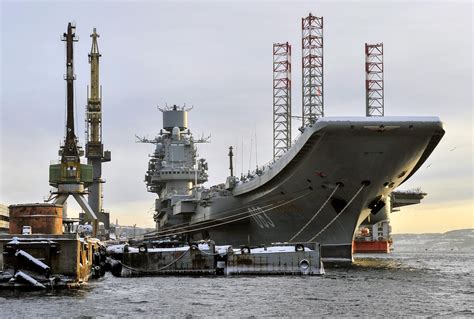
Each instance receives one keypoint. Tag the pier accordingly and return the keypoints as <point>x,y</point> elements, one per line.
<point>205,258</point>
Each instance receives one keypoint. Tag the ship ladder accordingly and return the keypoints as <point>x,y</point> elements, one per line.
<point>315,214</point>
<point>340,213</point>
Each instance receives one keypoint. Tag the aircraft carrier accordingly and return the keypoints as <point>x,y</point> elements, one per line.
<point>340,170</point>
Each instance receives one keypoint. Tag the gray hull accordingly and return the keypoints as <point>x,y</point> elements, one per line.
<point>275,204</point>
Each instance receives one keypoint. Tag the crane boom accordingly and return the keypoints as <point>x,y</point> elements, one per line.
<point>94,56</point>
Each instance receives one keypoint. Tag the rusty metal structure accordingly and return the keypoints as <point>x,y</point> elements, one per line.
<point>43,218</point>
<point>281,99</point>
<point>70,177</point>
<point>53,261</point>
<point>312,67</point>
<point>95,153</point>
<point>374,84</point>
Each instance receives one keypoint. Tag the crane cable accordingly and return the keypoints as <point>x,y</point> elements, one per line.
<point>316,214</point>
<point>339,214</point>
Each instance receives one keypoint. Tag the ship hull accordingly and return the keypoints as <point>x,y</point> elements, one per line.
<point>365,158</point>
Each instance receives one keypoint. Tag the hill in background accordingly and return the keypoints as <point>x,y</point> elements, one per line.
<point>455,240</point>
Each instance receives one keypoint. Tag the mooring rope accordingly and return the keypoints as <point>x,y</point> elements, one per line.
<point>240,218</point>
<point>186,225</point>
<point>163,233</point>
<point>190,228</point>
<point>340,213</point>
<point>315,215</point>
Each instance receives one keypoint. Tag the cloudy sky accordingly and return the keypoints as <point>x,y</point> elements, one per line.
<point>217,56</point>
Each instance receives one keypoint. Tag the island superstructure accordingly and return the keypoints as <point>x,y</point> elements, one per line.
<point>173,171</point>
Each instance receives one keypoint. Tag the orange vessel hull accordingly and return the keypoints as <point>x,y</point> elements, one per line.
<point>374,246</point>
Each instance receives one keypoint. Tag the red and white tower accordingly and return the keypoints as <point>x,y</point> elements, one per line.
<point>312,65</point>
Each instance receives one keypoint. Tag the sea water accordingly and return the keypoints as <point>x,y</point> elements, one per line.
<point>426,275</point>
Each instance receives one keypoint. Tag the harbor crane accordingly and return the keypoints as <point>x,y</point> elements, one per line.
<point>95,153</point>
<point>69,176</point>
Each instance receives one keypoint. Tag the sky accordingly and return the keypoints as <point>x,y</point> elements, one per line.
<point>217,57</point>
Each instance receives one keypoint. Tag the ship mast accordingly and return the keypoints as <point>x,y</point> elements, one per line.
<point>94,148</point>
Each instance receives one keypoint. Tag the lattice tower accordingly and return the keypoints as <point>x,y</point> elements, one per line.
<point>281,98</point>
<point>312,65</point>
<point>374,87</point>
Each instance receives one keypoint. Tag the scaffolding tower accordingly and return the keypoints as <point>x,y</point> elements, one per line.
<point>312,65</point>
<point>374,87</point>
<point>281,99</point>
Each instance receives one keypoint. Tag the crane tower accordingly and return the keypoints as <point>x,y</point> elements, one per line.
<point>95,153</point>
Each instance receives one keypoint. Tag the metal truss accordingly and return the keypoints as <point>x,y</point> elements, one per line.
<point>312,65</point>
<point>374,87</point>
<point>281,99</point>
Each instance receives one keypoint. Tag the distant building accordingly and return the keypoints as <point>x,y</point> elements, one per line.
<point>4,219</point>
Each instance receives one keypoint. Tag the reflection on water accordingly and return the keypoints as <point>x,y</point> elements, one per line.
<point>410,281</point>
